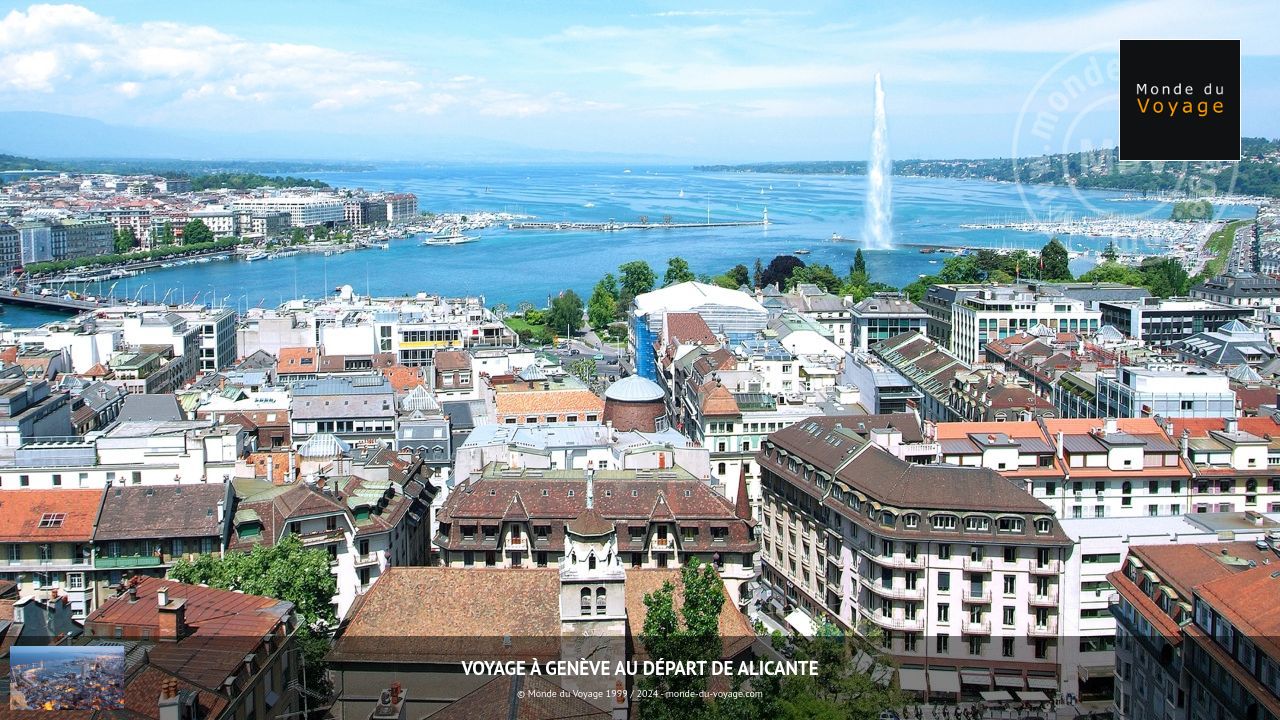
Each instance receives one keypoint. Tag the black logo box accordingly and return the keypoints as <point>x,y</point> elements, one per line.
<point>1186,68</point>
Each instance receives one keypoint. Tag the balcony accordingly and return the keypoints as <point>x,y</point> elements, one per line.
<point>982,627</point>
<point>977,596</point>
<point>893,561</point>
<point>895,593</point>
<point>50,564</point>
<point>128,561</point>
<point>367,559</point>
<point>1052,567</point>
<point>897,623</point>
<point>324,537</point>
<point>663,544</point>
<point>1043,600</point>
<point>1048,628</point>
<point>972,565</point>
<point>517,543</point>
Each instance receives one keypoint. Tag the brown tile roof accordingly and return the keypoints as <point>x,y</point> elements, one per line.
<point>164,511</point>
<point>143,690</point>
<point>717,400</point>
<point>452,360</point>
<point>736,633</point>
<point>687,328</point>
<point>22,512</point>
<point>1200,427</point>
<point>279,466</point>
<point>520,697</point>
<point>298,360</point>
<point>98,371</point>
<point>588,523</point>
<point>1248,600</point>
<point>420,614</point>
<point>402,378</point>
<point>1183,566</point>
<point>549,402</point>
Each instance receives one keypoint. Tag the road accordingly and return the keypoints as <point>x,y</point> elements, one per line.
<point>608,366</point>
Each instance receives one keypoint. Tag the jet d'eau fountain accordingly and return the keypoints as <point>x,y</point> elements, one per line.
<point>877,232</point>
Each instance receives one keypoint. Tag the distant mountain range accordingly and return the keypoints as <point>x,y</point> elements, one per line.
<point>1258,172</point>
<point>52,136</point>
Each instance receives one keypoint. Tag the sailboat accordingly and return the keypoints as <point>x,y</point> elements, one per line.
<point>681,192</point>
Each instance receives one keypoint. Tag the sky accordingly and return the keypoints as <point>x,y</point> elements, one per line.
<point>683,80</point>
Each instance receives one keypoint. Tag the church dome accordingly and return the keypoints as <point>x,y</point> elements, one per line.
<point>634,389</point>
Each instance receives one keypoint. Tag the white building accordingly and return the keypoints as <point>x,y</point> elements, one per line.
<point>1164,390</point>
<point>997,312</point>
<point>304,210</point>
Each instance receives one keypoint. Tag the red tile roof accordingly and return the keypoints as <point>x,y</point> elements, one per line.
<point>452,360</point>
<point>684,328</point>
<point>1200,427</point>
<point>402,378</point>
<point>297,360</point>
<point>60,515</point>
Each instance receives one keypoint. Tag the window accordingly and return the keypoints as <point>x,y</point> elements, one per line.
<point>944,581</point>
<point>585,602</point>
<point>1010,584</point>
<point>57,480</point>
<point>1010,554</point>
<point>1006,646</point>
<point>1043,526</point>
<point>944,613</point>
<point>51,520</point>
<point>24,481</point>
<point>601,602</point>
<point>944,551</point>
<point>490,558</point>
<point>941,644</point>
<point>1008,616</point>
<point>1011,525</point>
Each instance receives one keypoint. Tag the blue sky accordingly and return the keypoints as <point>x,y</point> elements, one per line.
<point>688,80</point>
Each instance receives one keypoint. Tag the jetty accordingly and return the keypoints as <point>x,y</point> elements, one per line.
<point>614,226</point>
<point>53,302</point>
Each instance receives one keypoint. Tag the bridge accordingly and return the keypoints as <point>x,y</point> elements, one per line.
<point>52,302</point>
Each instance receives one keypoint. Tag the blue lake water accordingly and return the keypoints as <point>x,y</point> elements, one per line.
<point>514,265</point>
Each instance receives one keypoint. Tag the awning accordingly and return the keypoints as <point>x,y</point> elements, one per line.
<point>1009,681</point>
<point>1033,696</point>
<point>996,696</point>
<point>911,679</point>
<point>801,623</point>
<point>1044,683</point>
<point>976,677</point>
<point>944,681</point>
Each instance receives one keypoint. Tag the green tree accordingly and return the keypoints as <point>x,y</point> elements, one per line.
<point>196,232</point>
<point>859,262</point>
<point>853,678</point>
<point>321,232</point>
<point>757,274</point>
<point>584,368</point>
<point>779,271</point>
<point>565,313</point>
<point>286,571</point>
<point>739,275</point>
<point>697,638</point>
<point>1054,261</point>
<point>1111,254</point>
<point>637,278</point>
<point>501,310</point>
<point>677,272</point>
<point>602,308</point>
<point>125,241</point>
<point>166,235</point>
<point>297,236</point>
<point>821,275</point>
<point>1165,277</point>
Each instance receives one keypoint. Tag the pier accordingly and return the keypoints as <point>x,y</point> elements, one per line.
<point>52,302</point>
<point>612,226</point>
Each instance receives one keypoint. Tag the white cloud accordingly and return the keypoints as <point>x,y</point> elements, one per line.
<point>129,89</point>
<point>29,71</point>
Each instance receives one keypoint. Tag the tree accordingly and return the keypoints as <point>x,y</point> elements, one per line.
<point>523,308</point>
<point>166,235</point>
<point>565,313</point>
<point>757,274</point>
<point>321,232</point>
<point>1165,277</point>
<point>859,262</point>
<point>1111,254</point>
<point>852,679</point>
<point>1113,272</point>
<point>196,232</point>
<point>779,271</point>
<point>739,275</point>
<point>1054,261</point>
<point>286,571</point>
<point>125,241</point>
<point>696,639</point>
<point>637,278</point>
<point>821,275</point>
<point>677,272</point>
<point>584,368</point>
<point>297,236</point>
<point>501,310</point>
<point>602,308</point>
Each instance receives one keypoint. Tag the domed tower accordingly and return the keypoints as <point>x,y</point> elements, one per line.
<point>635,403</point>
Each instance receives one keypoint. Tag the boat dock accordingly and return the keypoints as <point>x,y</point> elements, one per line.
<point>52,302</point>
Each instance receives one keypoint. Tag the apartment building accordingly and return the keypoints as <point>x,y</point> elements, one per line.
<point>10,248</point>
<point>996,312</point>
<point>47,537</point>
<point>517,517</point>
<point>1235,463</point>
<point>958,568</point>
<point>813,303</point>
<point>1255,291</point>
<point>304,210</point>
<point>30,410</point>
<point>352,408</point>
<point>1163,321</point>
<point>882,316</point>
<point>401,207</point>
<point>1164,390</point>
<point>1195,629</point>
<point>930,368</point>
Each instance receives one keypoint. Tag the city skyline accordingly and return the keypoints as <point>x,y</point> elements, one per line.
<point>680,83</point>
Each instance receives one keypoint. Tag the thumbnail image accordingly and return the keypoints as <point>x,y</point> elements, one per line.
<point>66,678</point>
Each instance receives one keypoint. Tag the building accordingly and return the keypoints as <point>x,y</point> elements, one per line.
<point>880,388</point>
<point>10,248</point>
<point>47,537</point>
<point>401,207</point>
<point>1229,346</point>
<point>451,374</point>
<point>202,652</point>
<point>635,403</point>
<point>65,239</point>
<point>828,310</point>
<point>1260,293</point>
<point>929,367</point>
<point>352,408</point>
<point>996,312</point>
<point>1235,463</point>
<point>304,210</point>
<point>531,397</point>
<point>1164,390</point>
<point>1195,629</point>
<point>264,223</point>
<point>133,216</point>
<point>958,568</point>
<point>420,625</point>
<point>724,311</point>
<point>142,530</point>
<point>366,523</point>
<point>1164,321</point>
<point>517,516</point>
<point>30,410</point>
<point>882,316</point>
<point>222,222</point>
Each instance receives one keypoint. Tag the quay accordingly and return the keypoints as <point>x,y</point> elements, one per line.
<point>612,226</point>
<point>52,302</point>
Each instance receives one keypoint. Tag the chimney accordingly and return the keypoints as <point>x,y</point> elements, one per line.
<point>133,595</point>
<point>1185,443</point>
<point>222,510</point>
<point>1232,424</point>
<point>162,595</point>
<point>1110,426</point>
<point>170,704</point>
<point>172,620</point>
<point>591,485</point>
<point>391,704</point>
<point>1058,450</point>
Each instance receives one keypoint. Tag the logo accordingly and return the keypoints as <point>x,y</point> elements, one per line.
<point>1180,100</point>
